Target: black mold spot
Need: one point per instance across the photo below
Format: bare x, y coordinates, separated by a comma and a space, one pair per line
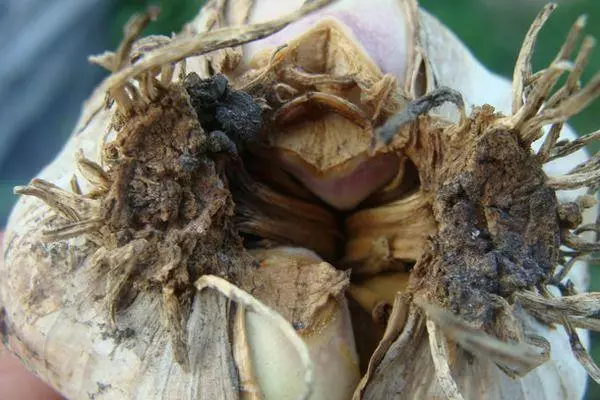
222, 109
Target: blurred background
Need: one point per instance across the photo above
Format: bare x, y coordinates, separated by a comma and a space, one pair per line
45, 77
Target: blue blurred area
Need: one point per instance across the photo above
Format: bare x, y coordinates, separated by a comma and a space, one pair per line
44, 79
45, 76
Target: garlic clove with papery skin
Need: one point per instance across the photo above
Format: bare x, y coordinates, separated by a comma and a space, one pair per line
345, 187
392, 23
376, 30
310, 293
329, 98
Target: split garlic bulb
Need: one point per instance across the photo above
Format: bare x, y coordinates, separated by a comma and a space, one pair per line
273, 210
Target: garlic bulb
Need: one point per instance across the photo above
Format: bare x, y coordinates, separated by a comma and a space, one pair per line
199, 232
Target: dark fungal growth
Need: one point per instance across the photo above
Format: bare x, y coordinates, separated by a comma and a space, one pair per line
167, 211
497, 228
223, 112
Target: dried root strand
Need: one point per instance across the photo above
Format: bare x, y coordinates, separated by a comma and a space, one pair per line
581, 245
577, 309
523, 71
181, 47
122, 262
584, 174
217, 14
566, 269
418, 107
595, 227
114, 61
126, 95
591, 165
73, 230
92, 172
536, 98
581, 353
589, 257
132, 30
515, 359
549, 142
574, 181
560, 150
566, 109
573, 80
439, 353
80, 210
530, 91
74, 183
581, 305
563, 55
72, 206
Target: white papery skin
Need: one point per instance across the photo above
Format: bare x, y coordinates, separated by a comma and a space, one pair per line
64, 345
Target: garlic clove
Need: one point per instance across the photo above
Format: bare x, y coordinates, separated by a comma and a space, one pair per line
310, 294
395, 232
279, 374
323, 134
346, 189
374, 28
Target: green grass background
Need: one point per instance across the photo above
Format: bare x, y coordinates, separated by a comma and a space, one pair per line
492, 29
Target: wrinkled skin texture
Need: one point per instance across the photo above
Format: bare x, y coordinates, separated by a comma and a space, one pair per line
16, 382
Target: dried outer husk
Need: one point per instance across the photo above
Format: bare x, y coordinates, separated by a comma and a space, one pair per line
69, 308
310, 293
